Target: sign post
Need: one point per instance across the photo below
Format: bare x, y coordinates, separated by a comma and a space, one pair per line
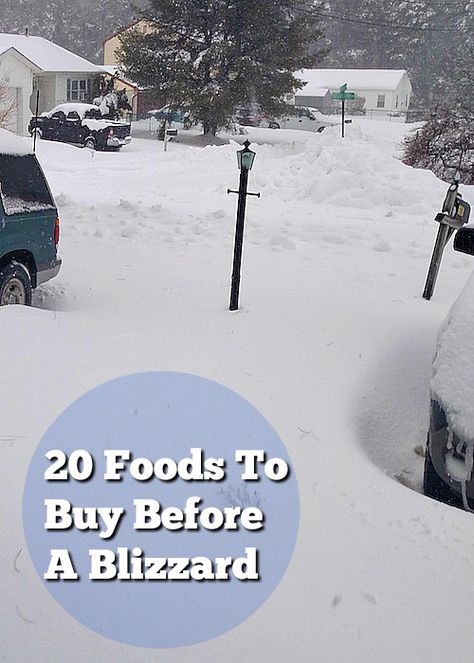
343, 96
35, 132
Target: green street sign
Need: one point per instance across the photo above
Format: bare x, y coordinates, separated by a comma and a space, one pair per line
343, 96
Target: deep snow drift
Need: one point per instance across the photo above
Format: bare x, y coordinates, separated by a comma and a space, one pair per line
333, 344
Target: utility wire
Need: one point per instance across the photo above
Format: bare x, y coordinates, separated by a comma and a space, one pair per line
361, 21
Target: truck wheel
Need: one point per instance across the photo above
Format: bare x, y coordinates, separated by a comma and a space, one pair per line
15, 285
90, 143
434, 486
38, 133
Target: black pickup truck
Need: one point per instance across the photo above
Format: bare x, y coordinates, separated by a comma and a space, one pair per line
81, 124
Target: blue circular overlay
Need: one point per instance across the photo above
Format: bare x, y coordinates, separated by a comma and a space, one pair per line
160, 416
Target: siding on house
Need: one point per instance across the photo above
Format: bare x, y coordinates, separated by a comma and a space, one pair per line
111, 46
320, 101
47, 89
18, 77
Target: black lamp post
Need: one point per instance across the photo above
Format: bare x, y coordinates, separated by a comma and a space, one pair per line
245, 159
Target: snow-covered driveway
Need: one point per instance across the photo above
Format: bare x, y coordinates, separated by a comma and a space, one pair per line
333, 344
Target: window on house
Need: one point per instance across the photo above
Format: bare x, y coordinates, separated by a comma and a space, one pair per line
396, 102
78, 89
381, 101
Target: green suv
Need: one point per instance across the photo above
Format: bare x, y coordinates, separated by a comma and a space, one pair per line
29, 223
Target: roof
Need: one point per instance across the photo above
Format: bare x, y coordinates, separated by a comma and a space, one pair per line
46, 55
114, 70
358, 79
315, 92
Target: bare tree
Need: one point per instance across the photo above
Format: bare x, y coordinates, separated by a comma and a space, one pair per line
8, 104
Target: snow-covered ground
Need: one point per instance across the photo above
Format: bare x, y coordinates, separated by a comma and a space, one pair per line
333, 344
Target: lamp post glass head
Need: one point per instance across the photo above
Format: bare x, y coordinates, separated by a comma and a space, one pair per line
245, 157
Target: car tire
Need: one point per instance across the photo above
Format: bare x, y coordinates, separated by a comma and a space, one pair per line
89, 143
435, 487
38, 133
15, 285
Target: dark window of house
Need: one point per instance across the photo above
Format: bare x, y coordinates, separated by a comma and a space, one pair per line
381, 101
79, 89
22, 185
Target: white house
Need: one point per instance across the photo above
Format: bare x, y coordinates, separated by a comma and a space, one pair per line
28, 64
386, 90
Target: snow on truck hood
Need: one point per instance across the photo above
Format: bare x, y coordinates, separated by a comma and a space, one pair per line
12, 144
453, 379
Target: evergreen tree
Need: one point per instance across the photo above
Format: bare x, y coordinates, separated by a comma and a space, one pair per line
209, 56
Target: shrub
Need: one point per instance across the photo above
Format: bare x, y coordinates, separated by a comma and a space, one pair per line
445, 144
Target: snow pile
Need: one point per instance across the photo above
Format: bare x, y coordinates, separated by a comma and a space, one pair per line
353, 173
319, 193
12, 144
333, 343
453, 381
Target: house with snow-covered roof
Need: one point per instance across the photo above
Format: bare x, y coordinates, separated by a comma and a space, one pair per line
29, 63
384, 90
140, 100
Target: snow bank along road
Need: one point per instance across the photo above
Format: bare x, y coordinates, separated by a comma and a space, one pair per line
333, 344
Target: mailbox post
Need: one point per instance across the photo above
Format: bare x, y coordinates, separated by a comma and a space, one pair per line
169, 133
455, 215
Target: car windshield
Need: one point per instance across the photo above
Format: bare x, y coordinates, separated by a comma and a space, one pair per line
22, 185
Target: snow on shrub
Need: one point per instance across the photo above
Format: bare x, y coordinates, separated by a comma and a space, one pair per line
445, 144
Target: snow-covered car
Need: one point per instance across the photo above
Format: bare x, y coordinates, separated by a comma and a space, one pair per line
301, 117
248, 117
81, 124
29, 223
449, 460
